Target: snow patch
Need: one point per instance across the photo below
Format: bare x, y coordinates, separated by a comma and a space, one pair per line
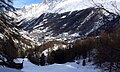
63, 17
18, 60
75, 35
1, 36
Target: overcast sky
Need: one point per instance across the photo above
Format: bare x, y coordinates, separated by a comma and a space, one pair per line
22, 3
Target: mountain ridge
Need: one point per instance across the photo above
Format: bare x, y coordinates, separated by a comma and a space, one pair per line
65, 19
70, 25
61, 6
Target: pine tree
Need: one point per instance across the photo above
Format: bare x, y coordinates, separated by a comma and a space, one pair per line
8, 49
6, 5
42, 60
5, 24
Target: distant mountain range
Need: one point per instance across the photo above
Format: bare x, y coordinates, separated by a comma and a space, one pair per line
68, 19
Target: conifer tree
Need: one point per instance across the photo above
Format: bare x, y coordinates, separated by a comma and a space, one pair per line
6, 26
42, 60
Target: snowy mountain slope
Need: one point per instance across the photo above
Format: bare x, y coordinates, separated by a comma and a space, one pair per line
70, 25
66, 19
61, 6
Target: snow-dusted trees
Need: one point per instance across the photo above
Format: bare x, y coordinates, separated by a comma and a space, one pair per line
6, 5
103, 50
8, 35
5, 26
80, 48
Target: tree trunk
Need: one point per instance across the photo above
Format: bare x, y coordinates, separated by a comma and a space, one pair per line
84, 63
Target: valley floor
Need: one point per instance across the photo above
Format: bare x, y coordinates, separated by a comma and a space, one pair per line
67, 67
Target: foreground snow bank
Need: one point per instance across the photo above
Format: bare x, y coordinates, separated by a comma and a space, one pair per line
3, 69
67, 67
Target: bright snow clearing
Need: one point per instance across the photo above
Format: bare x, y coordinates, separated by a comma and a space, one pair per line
67, 67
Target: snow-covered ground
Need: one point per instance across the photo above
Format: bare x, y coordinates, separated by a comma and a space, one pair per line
67, 67
3, 69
